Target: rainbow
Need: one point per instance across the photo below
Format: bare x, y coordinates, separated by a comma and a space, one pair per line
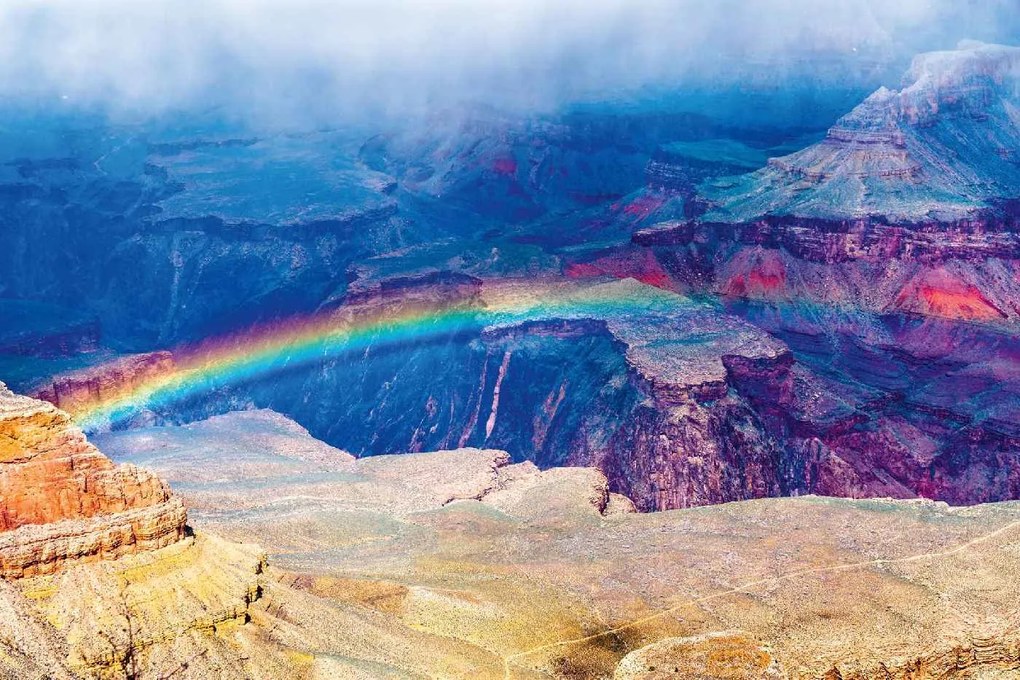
412, 317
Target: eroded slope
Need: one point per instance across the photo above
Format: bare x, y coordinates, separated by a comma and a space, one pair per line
530, 574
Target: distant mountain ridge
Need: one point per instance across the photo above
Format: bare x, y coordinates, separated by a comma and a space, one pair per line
943, 148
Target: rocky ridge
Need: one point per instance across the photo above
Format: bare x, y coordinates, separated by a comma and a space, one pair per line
100, 578
908, 205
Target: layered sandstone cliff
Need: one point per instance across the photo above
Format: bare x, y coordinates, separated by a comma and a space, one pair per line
99, 577
62, 500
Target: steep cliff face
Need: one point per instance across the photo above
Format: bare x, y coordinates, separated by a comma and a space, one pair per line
77, 390
696, 453
63, 500
100, 580
693, 439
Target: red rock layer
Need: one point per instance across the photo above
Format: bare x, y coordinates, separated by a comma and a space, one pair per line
74, 392
62, 499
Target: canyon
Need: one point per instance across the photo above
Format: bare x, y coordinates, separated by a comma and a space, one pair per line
516, 572
464, 564
682, 406
874, 216
605, 392
857, 317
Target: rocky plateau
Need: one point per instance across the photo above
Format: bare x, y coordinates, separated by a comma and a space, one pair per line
503, 570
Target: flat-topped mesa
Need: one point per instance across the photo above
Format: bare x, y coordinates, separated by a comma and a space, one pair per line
968, 77
61, 499
682, 357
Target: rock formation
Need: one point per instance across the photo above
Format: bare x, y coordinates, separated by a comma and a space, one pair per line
907, 205
99, 578
938, 151
679, 404
61, 500
78, 390
491, 569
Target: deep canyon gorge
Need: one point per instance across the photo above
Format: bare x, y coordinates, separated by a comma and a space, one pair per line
603, 393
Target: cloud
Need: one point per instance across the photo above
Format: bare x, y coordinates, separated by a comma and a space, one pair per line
384, 57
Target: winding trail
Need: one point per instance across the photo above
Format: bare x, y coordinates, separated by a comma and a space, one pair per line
509, 660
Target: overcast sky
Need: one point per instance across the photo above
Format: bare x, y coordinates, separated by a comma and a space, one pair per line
389, 55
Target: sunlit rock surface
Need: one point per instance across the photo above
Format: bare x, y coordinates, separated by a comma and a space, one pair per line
715, 656
101, 580
61, 500
491, 569
100, 577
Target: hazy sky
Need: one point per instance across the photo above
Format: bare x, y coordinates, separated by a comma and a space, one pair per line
289, 57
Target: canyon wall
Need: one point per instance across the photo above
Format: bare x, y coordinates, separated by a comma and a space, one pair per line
99, 576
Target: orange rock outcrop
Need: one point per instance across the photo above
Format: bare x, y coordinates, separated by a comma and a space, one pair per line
61, 499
